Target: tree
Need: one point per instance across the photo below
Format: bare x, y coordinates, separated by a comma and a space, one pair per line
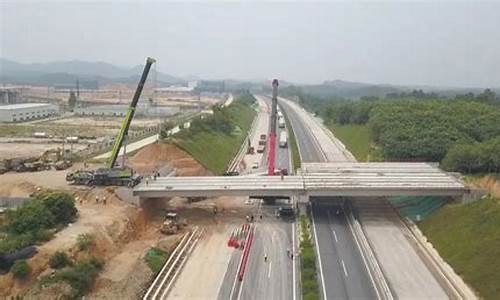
487, 96
61, 205
59, 260
30, 217
20, 269
165, 127
72, 100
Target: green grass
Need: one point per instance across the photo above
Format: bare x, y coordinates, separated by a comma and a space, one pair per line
292, 143
358, 139
467, 236
215, 149
155, 258
310, 287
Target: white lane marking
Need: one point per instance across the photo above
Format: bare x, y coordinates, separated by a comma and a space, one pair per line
269, 272
236, 279
345, 269
319, 257
335, 236
293, 262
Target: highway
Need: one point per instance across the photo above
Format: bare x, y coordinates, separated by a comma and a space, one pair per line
274, 237
400, 260
342, 271
273, 279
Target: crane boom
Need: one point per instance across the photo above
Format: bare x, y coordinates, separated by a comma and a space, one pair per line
130, 114
272, 132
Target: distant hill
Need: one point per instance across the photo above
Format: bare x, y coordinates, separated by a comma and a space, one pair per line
64, 72
349, 89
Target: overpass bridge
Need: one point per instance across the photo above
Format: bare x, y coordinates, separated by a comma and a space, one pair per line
316, 179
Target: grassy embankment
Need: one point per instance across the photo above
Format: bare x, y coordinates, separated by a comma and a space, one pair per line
156, 258
468, 237
310, 289
214, 141
292, 143
358, 139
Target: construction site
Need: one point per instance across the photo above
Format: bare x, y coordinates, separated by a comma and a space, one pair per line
56, 152
137, 234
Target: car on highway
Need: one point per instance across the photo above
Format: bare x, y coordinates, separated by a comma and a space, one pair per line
255, 165
231, 173
286, 211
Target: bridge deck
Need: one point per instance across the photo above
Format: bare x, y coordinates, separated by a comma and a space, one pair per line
316, 179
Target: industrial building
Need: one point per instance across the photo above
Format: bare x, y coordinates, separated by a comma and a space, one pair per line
27, 111
119, 110
10, 95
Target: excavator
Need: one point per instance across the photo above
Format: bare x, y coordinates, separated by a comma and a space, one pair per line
112, 174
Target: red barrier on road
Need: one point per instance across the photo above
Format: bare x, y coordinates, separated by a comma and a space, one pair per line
245, 254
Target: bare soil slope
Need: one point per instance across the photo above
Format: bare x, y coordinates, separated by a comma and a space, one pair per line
156, 156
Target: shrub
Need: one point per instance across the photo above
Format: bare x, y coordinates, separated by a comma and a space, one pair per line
155, 258
20, 269
61, 205
29, 217
308, 258
59, 260
308, 273
81, 276
84, 241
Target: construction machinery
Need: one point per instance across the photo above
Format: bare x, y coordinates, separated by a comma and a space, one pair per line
113, 175
172, 223
272, 133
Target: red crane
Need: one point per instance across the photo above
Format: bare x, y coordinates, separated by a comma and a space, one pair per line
272, 132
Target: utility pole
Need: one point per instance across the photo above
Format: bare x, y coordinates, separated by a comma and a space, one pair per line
272, 132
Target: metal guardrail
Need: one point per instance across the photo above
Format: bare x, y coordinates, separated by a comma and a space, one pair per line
171, 269
445, 275
377, 276
233, 164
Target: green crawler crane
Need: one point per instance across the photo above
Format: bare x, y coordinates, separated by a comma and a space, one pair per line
113, 175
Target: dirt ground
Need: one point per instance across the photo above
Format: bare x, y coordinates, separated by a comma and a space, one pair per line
14, 184
489, 183
25, 150
124, 233
105, 122
155, 156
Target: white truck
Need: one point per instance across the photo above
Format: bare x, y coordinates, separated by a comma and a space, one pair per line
283, 139
281, 122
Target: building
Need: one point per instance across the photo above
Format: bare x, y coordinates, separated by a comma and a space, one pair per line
10, 95
119, 110
27, 111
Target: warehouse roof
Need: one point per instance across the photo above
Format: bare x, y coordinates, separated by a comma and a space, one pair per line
22, 105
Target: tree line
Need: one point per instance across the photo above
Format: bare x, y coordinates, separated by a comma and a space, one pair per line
462, 132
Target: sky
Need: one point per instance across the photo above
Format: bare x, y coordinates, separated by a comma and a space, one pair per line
438, 44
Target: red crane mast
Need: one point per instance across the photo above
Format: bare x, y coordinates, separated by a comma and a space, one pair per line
272, 131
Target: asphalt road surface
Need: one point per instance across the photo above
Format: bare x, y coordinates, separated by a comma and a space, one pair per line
342, 271
274, 238
271, 278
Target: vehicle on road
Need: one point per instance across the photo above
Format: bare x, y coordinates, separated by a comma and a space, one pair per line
286, 211
281, 122
283, 142
231, 173
261, 148
255, 165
